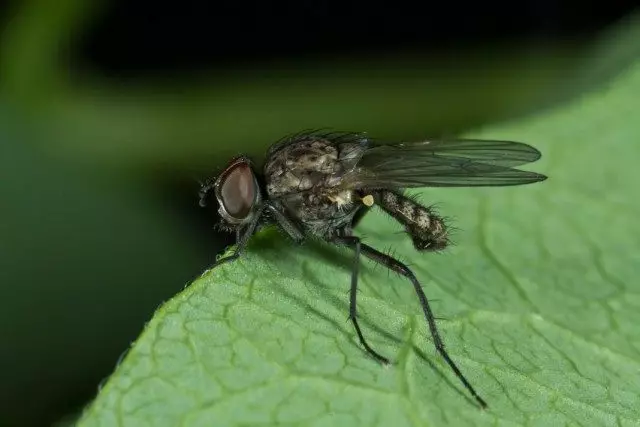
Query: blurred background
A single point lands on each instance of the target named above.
(110, 110)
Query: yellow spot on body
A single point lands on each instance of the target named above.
(368, 200)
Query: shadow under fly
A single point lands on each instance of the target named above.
(319, 184)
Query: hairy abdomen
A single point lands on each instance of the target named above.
(427, 230)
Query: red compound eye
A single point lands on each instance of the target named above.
(238, 191)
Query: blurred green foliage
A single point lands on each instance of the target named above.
(91, 243)
(203, 118)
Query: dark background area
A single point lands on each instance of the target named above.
(141, 37)
(86, 258)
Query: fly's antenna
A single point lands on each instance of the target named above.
(203, 192)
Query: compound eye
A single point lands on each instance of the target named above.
(238, 191)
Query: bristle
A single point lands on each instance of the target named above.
(224, 227)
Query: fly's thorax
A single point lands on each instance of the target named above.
(301, 166)
(305, 177)
(426, 228)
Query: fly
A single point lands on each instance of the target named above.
(320, 184)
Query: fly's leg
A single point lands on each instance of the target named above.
(354, 242)
(244, 234)
(397, 266)
(359, 215)
(289, 227)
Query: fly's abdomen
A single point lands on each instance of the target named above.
(427, 229)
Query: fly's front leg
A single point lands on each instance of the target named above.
(243, 234)
(289, 227)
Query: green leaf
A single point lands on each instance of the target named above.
(540, 299)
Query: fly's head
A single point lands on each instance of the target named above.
(237, 191)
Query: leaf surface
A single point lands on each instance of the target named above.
(540, 300)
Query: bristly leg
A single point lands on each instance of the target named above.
(427, 229)
(244, 234)
(354, 242)
(399, 267)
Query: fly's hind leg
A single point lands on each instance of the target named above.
(397, 266)
(354, 242)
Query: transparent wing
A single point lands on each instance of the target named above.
(444, 163)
